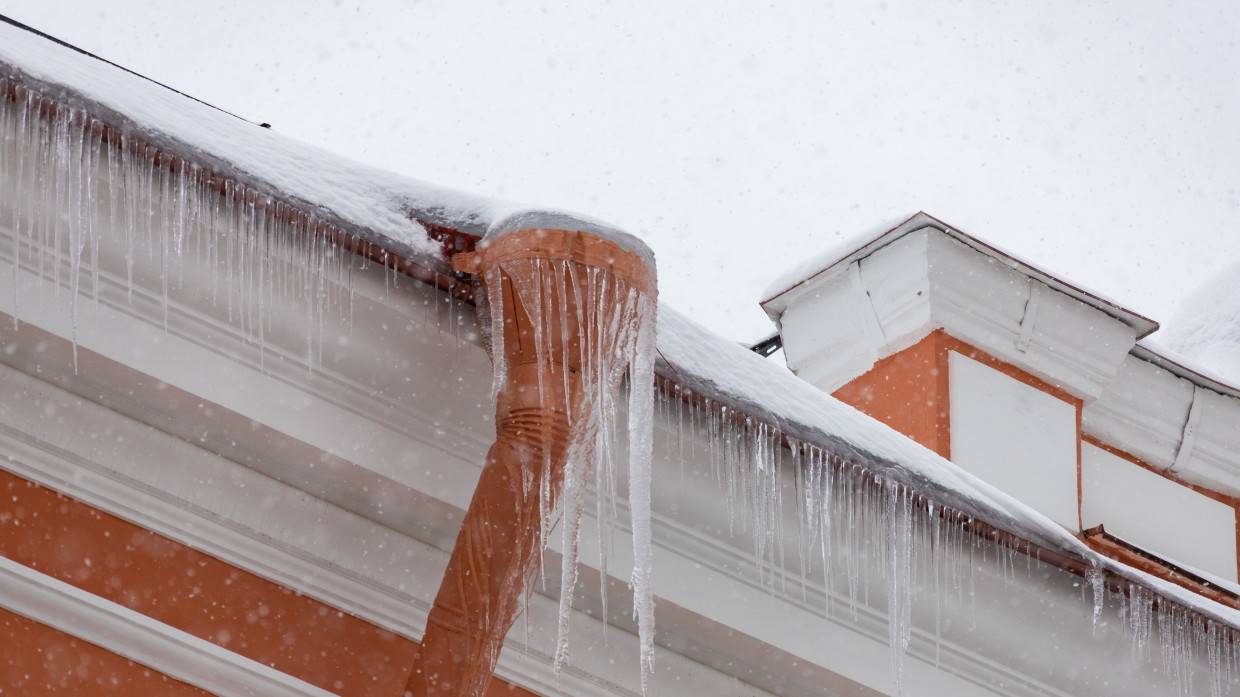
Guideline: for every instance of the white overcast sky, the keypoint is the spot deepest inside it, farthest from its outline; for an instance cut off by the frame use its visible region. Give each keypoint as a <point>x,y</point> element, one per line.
<point>1098,139</point>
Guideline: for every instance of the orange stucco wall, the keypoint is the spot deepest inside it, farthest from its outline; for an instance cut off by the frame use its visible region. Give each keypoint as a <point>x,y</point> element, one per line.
<point>908,391</point>
<point>38,660</point>
<point>194,592</point>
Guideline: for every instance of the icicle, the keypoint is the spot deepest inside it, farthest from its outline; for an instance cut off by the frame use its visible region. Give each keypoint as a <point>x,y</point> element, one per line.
<point>16,125</point>
<point>494,281</point>
<point>1097,583</point>
<point>88,184</point>
<point>614,326</point>
<point>641,384</point>
<point>899,522</point>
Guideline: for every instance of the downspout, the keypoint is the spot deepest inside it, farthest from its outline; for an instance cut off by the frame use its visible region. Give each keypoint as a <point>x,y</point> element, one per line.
<point>555,361</point>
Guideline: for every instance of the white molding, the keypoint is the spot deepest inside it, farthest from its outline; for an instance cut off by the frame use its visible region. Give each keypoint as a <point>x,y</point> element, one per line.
<point>1170,423</point>
<point>1143,412</point>
<point>161,491</point>
<point>836,325</point>
<point>921,277</point>
<point>1213,459</point>
<point>273,530</point>
<point>1060,339</point>
<point>139,638</point>
<point>1189,435</point>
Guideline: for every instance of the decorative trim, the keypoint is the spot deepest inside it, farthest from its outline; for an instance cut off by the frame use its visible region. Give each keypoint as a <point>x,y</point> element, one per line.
<point>1171,423</point>
<point>141,639</point>
<point>865,305</point>
<point>1069,343</point>
<point>1030,317</point>
<point>150,504</point>
<point>1189,437</point>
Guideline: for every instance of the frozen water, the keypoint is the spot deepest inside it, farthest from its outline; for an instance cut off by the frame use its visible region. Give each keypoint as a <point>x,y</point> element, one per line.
<point>88,185</point>
<point>616,325</point>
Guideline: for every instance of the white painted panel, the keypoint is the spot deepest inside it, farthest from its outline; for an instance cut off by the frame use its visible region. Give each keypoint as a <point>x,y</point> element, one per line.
<point>1157,514</point>
<point>1016,437</point>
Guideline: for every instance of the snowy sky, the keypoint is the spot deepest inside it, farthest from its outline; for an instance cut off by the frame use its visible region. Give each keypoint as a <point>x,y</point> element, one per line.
<point>1100,141</point>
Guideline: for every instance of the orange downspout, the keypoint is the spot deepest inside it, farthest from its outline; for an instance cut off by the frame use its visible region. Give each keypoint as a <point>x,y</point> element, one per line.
<point>496,551</point>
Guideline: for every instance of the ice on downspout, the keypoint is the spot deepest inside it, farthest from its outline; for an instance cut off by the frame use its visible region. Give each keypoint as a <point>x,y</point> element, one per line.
<point>572,315</point>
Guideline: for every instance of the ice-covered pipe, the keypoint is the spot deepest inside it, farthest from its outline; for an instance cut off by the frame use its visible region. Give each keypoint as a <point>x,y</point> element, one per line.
<point>571,313</point>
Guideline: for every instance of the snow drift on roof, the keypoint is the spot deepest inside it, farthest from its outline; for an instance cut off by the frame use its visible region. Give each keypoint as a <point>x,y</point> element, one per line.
<point>816,262</point>
<point>1205,332</point>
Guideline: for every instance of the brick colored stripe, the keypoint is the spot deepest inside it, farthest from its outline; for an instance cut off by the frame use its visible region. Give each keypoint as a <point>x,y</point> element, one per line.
<point>38,660</point>
<point>198,594</point>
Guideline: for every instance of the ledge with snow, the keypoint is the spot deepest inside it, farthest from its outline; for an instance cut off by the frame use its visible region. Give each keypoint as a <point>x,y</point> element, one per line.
<point>247,404</point>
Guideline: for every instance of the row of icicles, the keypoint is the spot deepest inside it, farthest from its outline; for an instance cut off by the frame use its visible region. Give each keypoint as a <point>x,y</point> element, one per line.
<point>616,324</point>
<point>122,203</point>
<point>852,524</point>
<point>116,191</point>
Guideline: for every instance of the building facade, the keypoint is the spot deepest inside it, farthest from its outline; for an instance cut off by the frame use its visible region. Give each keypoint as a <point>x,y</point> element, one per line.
<point>245,402</point>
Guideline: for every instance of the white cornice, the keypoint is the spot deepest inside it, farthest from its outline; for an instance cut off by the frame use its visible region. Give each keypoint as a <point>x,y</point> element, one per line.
<point>927,279</point>
<point>141,639</point>
<point>270,529</point>
<point>1017,318</point>
<point>782,297</point>
<point>262,528</point>
<point>1171,424</point>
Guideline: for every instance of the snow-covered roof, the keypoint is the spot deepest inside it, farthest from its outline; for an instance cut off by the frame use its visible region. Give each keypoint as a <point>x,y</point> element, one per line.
<point>383,207</point>
<point>389,209</point>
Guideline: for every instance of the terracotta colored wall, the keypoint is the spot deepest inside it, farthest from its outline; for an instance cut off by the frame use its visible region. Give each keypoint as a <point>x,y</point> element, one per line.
<point>908,391</point>
<point>38,660</point>
<point>196,593</point>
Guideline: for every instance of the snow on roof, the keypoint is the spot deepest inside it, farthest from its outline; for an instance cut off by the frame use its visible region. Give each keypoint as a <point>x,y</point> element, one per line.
<point>1204,336</point>
<point>381,206</point>
<point>851,249</point>
<point>388,206</point>
<point>829,256</point>
<point>361,197</point>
